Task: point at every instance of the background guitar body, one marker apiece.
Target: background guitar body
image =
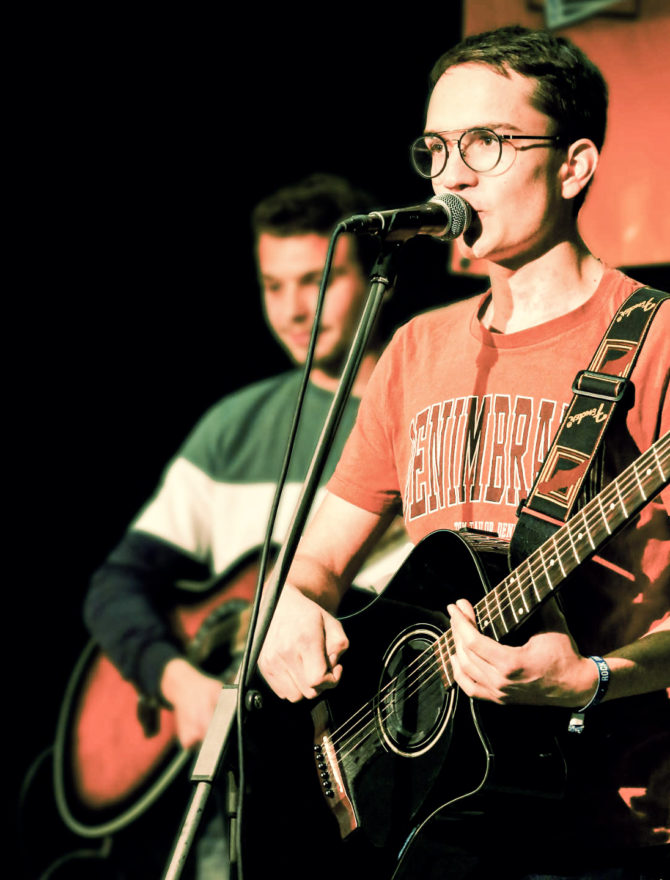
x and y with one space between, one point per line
107 770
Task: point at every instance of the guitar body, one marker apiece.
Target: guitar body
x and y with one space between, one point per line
394 742
398 751
108 769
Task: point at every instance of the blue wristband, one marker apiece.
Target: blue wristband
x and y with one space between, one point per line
603 683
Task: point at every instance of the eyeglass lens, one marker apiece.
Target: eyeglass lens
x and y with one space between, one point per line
480 149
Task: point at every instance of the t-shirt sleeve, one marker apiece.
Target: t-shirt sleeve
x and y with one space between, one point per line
366 472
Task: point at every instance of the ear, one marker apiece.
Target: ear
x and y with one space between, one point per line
578 167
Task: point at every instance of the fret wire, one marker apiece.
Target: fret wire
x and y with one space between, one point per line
523 595
614 500
486 619
559 555
572 542
510 582
658 462
529 566
602 513
525 576
491 618
593 515
544 565
609 502
623 506
513 585
639 480
537 574
586 526
532 582
497 598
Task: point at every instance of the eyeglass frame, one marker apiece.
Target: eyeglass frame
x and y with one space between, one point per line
501 138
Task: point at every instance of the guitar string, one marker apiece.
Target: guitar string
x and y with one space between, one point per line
596 503
594 510
446 637
605 495
356 738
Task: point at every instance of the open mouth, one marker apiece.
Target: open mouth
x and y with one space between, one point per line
474 230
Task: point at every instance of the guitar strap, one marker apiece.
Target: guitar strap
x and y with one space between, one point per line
601 392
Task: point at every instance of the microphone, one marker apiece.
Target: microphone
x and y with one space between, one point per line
444 216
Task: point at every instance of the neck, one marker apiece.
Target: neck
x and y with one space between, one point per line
557 282
330 381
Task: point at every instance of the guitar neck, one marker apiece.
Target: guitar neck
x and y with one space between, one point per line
509 604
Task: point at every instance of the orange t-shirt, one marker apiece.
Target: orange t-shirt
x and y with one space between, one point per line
455 424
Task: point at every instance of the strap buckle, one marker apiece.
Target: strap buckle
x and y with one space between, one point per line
601 386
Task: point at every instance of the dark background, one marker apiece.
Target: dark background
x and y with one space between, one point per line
141 147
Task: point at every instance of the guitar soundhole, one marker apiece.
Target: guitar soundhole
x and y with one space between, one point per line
413 706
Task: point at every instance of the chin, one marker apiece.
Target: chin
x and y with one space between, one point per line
483 247
474 249
330 363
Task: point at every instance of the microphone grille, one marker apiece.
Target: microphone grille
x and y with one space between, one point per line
460 214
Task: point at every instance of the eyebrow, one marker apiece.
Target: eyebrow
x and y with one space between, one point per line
308 277
492 125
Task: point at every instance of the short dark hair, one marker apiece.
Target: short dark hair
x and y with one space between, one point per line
314 204
570 89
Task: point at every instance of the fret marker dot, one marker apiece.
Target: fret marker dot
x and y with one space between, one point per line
519 612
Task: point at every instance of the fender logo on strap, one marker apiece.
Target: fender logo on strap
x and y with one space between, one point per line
598 414
646 305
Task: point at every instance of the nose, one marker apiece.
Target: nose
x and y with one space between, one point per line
455 175
297 303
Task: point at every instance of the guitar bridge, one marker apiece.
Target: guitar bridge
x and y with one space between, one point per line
331 780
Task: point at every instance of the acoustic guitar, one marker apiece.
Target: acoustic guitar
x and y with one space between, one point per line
395 743
107 768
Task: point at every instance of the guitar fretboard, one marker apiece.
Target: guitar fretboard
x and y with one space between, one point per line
507 605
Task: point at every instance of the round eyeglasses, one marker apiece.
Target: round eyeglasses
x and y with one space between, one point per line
480 149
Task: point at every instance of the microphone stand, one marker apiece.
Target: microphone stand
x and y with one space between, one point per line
206 767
